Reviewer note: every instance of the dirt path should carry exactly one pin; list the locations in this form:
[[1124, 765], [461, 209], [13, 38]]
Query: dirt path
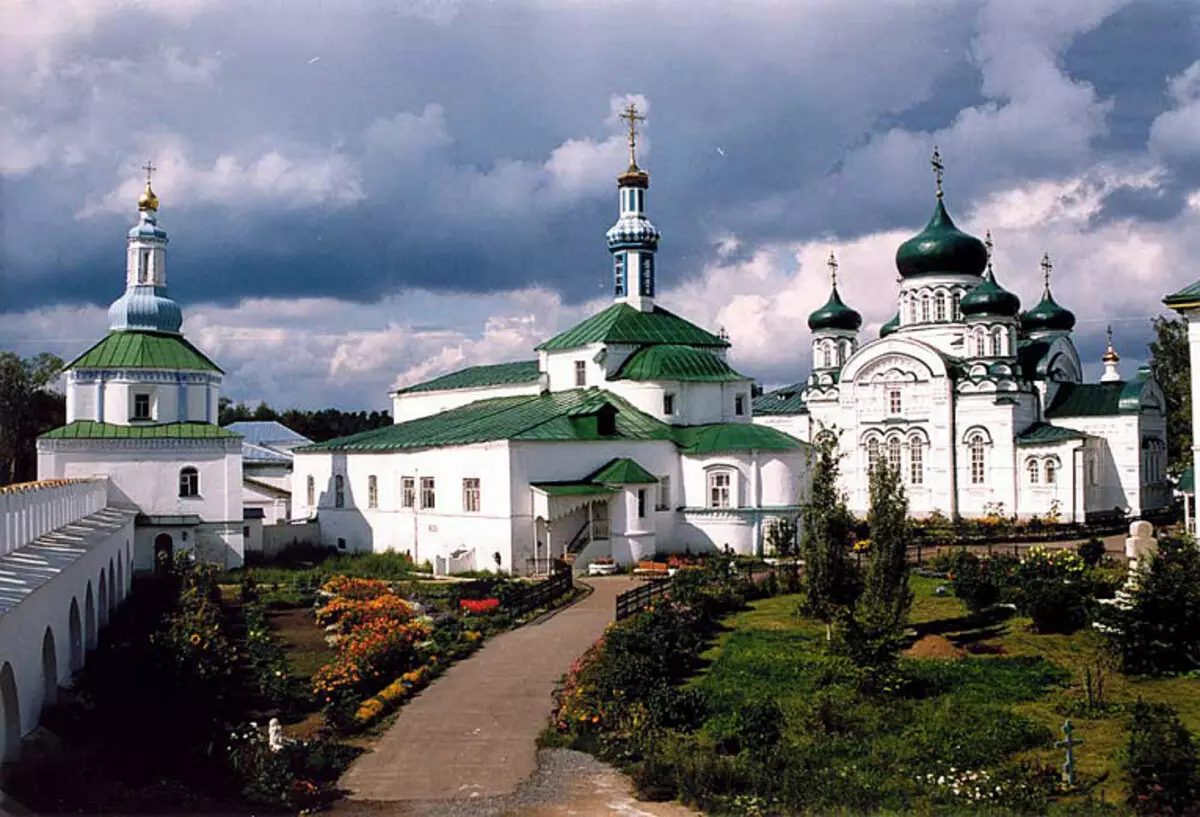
[[473, 733]]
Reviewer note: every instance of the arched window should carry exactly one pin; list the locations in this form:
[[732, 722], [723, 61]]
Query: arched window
[[1032, 468], [939, 302], [893, 454], [1051, 472], [998, 341], [827, 355], [925, 308], [979, 342], [955, 315], [912, 309], [311, 490], [872, 454], [339, 491], [189, 482], [978, 448], [843, 352], [916, 461]]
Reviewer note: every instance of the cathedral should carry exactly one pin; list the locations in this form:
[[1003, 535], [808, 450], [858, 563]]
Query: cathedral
[[142, 411], [627, 437], [980, 406]]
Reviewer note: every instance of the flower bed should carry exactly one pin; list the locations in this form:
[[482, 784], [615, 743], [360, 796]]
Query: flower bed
[[479, 607]]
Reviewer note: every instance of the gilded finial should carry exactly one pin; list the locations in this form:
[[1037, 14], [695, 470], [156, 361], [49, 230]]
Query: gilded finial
[[1047, 268], [1110, 354], [148, 201], [938, 169], [832, 263], [631, 115]]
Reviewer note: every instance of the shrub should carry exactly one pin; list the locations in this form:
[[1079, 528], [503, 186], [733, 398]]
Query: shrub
[[980, 581], [676, 708], [1050, 589], [1156, 628], [1091, 551], [1161, 762]]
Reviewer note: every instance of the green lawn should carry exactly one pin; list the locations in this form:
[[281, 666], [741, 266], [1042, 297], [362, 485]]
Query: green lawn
[[1000, 702]]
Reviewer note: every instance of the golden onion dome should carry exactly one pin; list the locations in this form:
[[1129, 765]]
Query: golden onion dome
[[147, 201]]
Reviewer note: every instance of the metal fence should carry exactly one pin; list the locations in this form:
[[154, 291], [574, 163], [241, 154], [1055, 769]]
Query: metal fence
[[641, 597], [541, 594]]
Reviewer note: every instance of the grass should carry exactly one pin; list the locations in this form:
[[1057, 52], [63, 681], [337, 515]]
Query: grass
[[1003, 701]]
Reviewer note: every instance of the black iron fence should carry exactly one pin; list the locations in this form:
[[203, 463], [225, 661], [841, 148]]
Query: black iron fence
[[641, 597], [560, 583]]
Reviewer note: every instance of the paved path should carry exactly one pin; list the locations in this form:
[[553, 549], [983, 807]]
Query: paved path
[[473, 732]]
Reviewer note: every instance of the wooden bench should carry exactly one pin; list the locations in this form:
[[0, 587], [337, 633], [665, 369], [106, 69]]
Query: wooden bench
[[648, 568]]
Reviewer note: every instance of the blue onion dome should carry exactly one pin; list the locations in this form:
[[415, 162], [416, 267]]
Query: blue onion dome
[[890, 327], [1048, 316], [835, 315], [941, 248], [989, 298], [147, 226], [633, 230], [145, 308]]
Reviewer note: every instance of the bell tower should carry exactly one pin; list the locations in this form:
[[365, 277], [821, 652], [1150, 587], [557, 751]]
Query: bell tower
[[633, 240]]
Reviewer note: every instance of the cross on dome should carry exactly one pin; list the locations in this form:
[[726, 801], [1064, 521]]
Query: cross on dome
[[938, 169], [631, 115], [989, 246], [832, 263], [1047, 268]]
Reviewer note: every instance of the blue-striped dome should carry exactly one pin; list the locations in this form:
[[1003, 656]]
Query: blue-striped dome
[[147, 308], [633, 230]]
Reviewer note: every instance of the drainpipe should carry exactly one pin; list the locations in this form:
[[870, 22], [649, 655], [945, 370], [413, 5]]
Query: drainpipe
[[953, 453]]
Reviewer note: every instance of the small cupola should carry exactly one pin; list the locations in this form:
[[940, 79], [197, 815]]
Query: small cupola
[[988, 299], [1047, 316], [834, 314]]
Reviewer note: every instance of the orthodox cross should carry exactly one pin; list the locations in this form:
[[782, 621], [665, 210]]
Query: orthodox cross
[[632, 116], [833, 268], [987, 243], [1047, 268], [1108, 334], [149, 168], [938, 168], [1069, 742]]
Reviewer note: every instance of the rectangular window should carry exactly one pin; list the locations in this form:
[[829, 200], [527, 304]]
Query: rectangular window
[[916, 462], [664, 493], [245, 531], [668, 403], [739, 404], [141, 407], [647, 283], [311, 491], [641, 503], [428, 500], [719, 485], [619, 275], [372, 491], [408, 492], [580, 373], [894, 406], [471, 494]]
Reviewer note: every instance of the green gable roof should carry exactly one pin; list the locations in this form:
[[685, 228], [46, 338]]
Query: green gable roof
[[621, 471], [573, 488], [497, 374], [91, 430], [788, 400], [722, 437], [670, 361], [1188, 296], [143, 350], [621, 323], [1095, 399], [1044, 433], [556, 416]]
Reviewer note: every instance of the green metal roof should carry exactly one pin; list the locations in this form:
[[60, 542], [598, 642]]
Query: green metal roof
[[670, 361], [722, 437], [573, 488], [565, 415], [1096, 399], [497, 374], [621, 471], [788, 400], [91, 430], [621, 323], [1188, 296], [143, 350], [1044, 433]]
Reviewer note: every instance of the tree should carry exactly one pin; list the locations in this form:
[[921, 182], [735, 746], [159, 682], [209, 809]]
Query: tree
[[1170, 363], [29, 406], [830, 579]]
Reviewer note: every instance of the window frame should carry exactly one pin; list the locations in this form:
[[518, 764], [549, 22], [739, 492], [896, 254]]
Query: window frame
[[428, 494], [895, 402], [939, 306], [472, 495], [895, 455], [408, 493], [1050, 471], [664, 493], [720, 489], [977, 448], [580, 374], [138, 397], [916, 461], [1033, 472], [873, 453], [189, 482], [669, 403], [641, 503], [739, 405]]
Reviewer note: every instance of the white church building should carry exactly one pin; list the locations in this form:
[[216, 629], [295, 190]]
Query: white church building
[[142, 411], [629, 436], [982, 407]]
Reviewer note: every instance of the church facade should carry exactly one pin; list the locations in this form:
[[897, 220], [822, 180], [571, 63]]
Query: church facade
[[628, 436], [980, 406], [142, 411]]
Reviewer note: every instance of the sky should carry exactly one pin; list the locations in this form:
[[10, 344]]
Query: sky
[[368, 193]]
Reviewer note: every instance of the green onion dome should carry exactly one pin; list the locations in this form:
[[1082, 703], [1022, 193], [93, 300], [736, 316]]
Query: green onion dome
[[941, 248], [989, 298], [835, 315], [1048, 316], [890, 327]]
